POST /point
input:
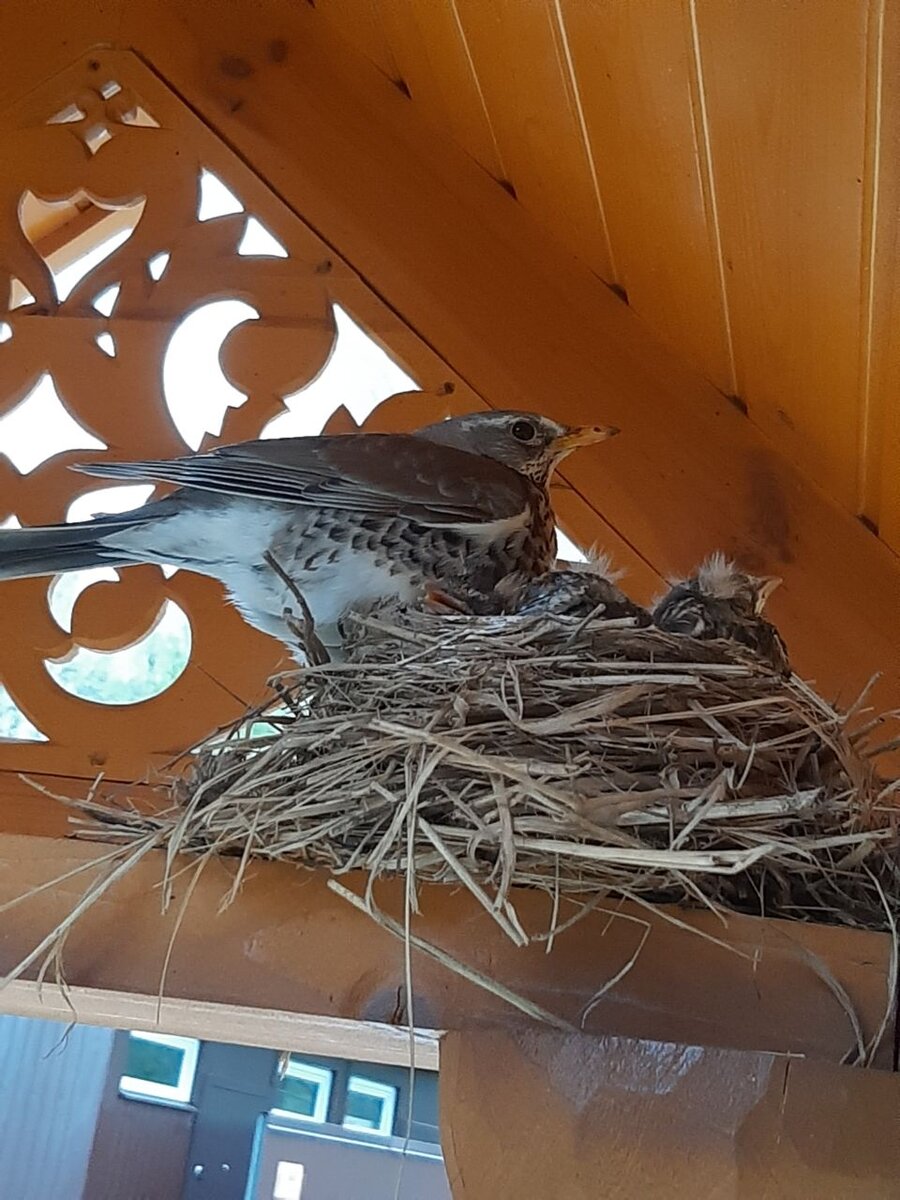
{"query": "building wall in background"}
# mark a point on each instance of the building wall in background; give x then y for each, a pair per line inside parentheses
(337, 1168)
(140, 1150)
(65, 1132)
(52, 1078)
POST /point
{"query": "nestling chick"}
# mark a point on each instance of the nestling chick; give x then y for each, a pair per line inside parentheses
(577, 590)
(721, 601)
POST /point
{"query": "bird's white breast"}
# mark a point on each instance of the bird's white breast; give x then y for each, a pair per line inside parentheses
(230, 542)
(352, 580)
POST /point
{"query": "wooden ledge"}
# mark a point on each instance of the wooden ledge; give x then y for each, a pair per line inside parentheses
(275, 1029)
(289, 943)
(612, 1117)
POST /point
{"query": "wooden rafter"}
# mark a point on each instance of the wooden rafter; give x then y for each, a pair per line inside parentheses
(290, 943)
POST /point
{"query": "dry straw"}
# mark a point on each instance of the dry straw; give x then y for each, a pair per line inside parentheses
(586, 758)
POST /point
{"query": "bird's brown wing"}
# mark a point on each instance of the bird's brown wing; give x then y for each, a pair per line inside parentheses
(396, 474)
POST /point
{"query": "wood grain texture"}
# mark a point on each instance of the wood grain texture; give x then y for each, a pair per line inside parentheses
(746, 173)
(523, 68)
(360, 21)
(637, 76)
(289, 943)
(432, 52)
(879, 443)
(785, 94)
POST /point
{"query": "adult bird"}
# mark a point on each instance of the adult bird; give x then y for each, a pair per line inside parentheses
(350, 520)
(722, 601)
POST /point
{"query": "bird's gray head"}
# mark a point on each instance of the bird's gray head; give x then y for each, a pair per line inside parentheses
(721, 579)
(530, 444)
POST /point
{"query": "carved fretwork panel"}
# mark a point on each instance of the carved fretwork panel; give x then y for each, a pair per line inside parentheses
(157, 296)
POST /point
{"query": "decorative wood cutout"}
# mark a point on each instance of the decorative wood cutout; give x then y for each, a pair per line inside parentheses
(106, 245)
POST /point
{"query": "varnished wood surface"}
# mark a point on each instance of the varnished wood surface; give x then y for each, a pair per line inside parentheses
(731, 166)
(289, 943)
(460, 281)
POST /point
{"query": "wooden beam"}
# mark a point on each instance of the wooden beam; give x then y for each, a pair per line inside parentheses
(301, 1033)
(289, 943)
(622, 1120)
(27, 810)
(35, 803)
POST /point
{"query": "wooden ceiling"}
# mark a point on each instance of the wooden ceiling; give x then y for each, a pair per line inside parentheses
(730, 169)
(736, 181)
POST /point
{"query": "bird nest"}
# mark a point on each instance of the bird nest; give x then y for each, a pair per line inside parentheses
(586, 758)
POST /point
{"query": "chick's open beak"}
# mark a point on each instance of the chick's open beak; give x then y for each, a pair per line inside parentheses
(582, 435)
(765, 586)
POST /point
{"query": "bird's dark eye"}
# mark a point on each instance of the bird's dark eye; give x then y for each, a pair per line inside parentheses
(524, 431)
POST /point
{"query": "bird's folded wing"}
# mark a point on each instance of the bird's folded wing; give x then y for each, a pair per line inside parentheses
(395, 474)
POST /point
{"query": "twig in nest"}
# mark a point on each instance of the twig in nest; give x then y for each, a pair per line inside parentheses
(305, 633)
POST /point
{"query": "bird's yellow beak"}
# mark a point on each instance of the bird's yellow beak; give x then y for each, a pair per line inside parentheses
(581, 435)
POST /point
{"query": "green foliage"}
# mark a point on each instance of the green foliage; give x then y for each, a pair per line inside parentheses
(127, 676)
(13, 722)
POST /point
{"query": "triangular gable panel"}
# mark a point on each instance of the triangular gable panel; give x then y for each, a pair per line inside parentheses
(253, 326)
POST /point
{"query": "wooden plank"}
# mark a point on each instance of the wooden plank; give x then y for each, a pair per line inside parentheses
(34, 802)
(636, 75)
(784, 89)
(884, 452)
(879, 447)
(433, 57)
(302, 1033)
(359, 21)
(524, 75)
(757, 1124)
(289, 943)
(35, 59)
(25, 809)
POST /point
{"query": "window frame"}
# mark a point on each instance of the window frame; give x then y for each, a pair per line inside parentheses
(385, 1092)
(323, 1078)
(132, 1087)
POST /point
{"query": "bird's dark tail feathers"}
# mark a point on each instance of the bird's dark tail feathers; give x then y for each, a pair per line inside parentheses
(51, 549)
